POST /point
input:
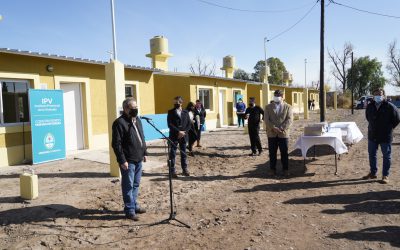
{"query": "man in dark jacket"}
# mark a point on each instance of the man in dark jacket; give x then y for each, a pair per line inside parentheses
(201, 113)
(382, 117)
(254, 114)
(130, 149)
(179, 124)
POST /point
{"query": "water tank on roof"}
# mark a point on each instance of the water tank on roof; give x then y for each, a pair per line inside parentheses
(229, 62)
(159, 45)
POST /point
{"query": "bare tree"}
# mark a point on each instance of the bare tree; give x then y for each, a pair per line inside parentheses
(394, 66)
(202, 68)
(341, 62)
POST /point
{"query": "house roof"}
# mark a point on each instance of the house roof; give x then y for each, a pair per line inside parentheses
(68, 58)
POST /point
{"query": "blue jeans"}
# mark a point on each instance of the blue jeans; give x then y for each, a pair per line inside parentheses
(172, 154)
(130, 186)
(386, 149)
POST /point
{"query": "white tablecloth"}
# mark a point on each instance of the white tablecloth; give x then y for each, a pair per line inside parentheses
(350, 131)
(333, 138)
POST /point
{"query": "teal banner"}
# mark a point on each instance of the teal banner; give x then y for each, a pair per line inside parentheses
(47, 125)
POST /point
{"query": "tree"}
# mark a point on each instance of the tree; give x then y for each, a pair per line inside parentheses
(202, 68)
(365, 76)
(276, 68)
(341, 61)
(394, 66)
(241, 74)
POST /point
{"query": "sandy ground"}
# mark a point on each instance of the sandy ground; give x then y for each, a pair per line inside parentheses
(230, 202)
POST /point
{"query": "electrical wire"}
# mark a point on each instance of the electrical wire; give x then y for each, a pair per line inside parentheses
(291, 27)
(252, 10)
(364, 11)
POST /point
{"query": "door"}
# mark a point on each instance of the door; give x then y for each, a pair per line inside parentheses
(73, 116)
(221, 107)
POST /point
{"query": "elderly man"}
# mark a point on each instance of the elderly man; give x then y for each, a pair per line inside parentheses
(382, 117)
(130, 149)
(278, 119)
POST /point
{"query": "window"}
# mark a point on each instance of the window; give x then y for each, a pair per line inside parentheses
(236, 95)
(205, 96)
(14, 102)
(130, 91)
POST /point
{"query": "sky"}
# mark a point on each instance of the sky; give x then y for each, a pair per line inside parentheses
(82, 28)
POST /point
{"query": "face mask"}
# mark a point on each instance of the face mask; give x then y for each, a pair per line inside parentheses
(176, 105)
(133, 112)
(277, 98)
(378, 98)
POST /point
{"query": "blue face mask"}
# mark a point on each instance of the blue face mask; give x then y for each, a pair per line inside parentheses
(378, 98)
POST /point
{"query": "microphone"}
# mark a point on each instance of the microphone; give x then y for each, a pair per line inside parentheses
(146, 118)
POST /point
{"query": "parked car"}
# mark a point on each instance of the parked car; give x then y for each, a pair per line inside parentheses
(363, 101)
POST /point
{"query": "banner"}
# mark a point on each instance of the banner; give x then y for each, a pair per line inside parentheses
(47, 125)
(160, 121)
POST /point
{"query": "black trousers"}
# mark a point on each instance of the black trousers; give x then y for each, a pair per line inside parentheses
(255, 142)
(172, 153)
(240, 119)
(273, 144)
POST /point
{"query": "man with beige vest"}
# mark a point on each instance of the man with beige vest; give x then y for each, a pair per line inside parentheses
(278, 119)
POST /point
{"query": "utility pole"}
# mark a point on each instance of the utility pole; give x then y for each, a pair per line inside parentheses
(352, 85)
(321, 70)
(305, 73)
(265, 59)
(113, 31)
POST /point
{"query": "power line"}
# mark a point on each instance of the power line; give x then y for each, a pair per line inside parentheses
(291, 27)
(252, 10)
(365, 11)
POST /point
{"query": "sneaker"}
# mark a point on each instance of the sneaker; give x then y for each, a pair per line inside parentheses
(369, 176)
(140, 210)
(186, 173)
(133, 217)
(385, 180)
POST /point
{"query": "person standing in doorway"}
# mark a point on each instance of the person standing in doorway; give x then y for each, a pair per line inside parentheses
(278, 119)
(382, 117)
(130, 149)
(201, 113)
(240, 111)
(254, 114)
(179, 124)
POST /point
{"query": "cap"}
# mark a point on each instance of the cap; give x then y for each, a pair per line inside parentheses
(278, 92)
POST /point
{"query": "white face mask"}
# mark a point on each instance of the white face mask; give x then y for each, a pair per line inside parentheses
(277, 98)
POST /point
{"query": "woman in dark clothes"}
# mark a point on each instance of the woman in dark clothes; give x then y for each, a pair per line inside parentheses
(192, 132)
(200, 118)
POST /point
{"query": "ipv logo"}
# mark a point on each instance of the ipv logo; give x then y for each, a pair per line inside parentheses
(49, 141)
(47, 100)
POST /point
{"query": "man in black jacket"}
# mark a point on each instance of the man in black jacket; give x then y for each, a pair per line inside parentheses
(254, 114)
(179, 124)
(130, 149)
(382, 117)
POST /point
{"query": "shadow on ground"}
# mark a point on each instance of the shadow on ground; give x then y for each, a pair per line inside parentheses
(388, 234)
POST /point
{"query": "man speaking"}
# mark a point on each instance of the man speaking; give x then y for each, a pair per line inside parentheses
(130, 149)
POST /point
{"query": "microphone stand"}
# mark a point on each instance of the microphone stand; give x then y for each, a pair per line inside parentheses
(173, 212)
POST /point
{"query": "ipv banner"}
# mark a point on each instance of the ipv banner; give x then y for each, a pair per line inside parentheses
(160, 121)
(47, 125)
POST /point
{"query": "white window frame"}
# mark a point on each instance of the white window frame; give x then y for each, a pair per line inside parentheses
(211, 96)
(2, 124)
(135, 85)
(234, 99)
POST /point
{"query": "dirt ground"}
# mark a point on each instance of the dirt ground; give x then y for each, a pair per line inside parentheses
(230, 202)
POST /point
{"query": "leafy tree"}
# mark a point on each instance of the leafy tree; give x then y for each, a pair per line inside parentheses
(365, 76)
(276, 67)
(241, 74)
(394, 66)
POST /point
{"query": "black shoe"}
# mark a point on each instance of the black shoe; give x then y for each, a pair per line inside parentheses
(272, 172)
(140, 210)
(174, 175)
(286, 173)
(252, 154)
(133, 217)
(191, 154)
(186, 173)
(260, 152)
